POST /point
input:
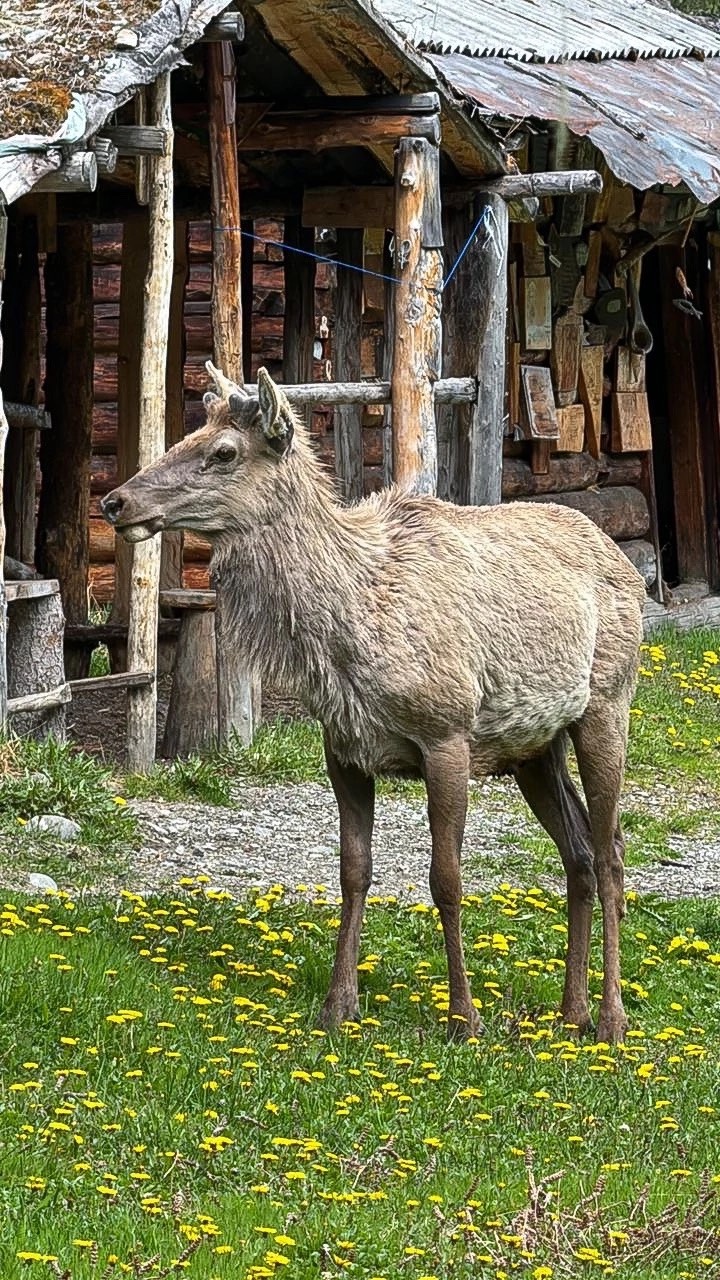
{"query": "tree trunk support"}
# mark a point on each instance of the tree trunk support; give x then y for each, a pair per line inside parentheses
(145, 579)
(347, 364)
(299, 318)
(238, 694)
(417, 307)
(490, 290)
(21, 382)
(63, 550)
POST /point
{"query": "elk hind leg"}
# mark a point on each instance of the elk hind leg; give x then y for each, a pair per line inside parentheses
(600, 741)
(549, 791)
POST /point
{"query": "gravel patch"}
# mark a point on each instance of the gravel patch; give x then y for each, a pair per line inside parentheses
(289, 835)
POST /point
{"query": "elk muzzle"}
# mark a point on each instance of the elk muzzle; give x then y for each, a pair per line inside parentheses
(121, 510)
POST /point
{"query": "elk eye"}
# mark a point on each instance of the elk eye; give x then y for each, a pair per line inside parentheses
(225, 453)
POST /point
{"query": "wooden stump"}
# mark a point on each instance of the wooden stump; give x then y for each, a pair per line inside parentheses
(192, 722)
(35, 654)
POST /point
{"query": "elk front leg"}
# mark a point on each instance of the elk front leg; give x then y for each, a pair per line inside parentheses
(355, 795)
(447, 771)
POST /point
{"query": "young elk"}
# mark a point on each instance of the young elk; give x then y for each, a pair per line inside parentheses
(430, 640)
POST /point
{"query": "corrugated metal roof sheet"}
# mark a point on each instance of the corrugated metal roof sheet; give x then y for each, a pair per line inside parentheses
(549, 30)
(654, 121)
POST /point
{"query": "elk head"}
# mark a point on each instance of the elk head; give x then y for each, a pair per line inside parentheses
(219, 479)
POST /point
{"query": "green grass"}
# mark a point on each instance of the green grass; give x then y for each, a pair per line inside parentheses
(675, 728)
(52, 777)
(165, 1096)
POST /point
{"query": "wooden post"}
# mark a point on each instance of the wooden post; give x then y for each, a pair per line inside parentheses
(247, 271)
(237, 696)
(132, 287)
(347, 364)
(145, 578)
(418, 335)
(687, 406)
(490, 290)
(171, 565)
(63, 550)
(299, 318)
(712, 305)
(21, 382)
(462, 300)
(3, 438)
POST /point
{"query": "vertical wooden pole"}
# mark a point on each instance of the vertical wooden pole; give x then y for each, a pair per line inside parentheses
(171, 565)
(3, 438)
(462, 303)
(299, 318)
(238, 694)
(418, 299)
(490, 272)
(388, 352)
(63, 550)
(347, 362)
(21, 382)
(687, 407)
(712, 471)
(247, 265)
(145, 578)
(135, 249)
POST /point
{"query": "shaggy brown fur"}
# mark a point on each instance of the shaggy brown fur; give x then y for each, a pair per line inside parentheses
(429, 639)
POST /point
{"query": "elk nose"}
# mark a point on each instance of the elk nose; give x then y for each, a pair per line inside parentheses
(112, 505)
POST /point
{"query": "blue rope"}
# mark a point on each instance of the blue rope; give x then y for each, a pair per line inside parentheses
(483, 220)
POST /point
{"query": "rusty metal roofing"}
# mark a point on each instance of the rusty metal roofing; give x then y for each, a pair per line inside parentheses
(654, 121)
(549, 30)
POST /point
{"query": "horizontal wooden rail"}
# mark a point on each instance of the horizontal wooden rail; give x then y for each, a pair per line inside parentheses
(28, 417)
(40, 701)
(447, 391)
(31, 589)
(119, 680)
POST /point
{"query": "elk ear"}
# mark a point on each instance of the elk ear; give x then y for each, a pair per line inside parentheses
(276, 416)
(210, 398)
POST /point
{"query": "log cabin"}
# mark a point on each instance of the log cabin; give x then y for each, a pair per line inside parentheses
(275, 183)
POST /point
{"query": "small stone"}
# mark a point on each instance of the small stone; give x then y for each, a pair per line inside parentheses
(56, 825)
(39, 881)
(127, 39)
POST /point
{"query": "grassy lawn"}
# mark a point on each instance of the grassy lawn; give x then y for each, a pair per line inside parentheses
(167, 1106)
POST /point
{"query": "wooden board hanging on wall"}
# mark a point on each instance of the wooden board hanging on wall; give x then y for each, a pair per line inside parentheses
(533, 250)
(536, 313)
(629, 370)
(513, 383)
(571, 427)
(565, 357)
(630, 430)
(590, 385)
(538, 413)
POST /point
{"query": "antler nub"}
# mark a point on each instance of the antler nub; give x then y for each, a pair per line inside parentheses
(224, 386)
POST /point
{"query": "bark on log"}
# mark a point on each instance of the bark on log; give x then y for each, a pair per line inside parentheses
(577, 471)
(324, 130)
(78, 173)
(172, 543)
(462, 298)
(191, 724)
(417, 351)
(35, 661)
(145, 580)
(126, 388)
(299, 317)
(621, 513)
(137, 140)
(21, 382)
(235, 686)
(27, 417)
(641, 553)
(347, 419)
(486, 440)
(554, 183)
(66, 451)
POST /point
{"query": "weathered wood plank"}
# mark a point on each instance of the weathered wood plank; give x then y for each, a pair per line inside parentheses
(299, 270)
(32, 589)
(47, 700)
(171, 563)
(65, 452)
(578, 471)
(22, 382)
(590, 384)
(119, 680)
(324, 130)
(187, 599)
(417, 350)
(132, 287)
(3, 438)
(347, 420)
(143, 620)
(486, 437)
